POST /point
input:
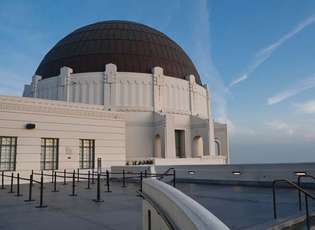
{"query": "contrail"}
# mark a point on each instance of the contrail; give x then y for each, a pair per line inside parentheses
(306, 84)
(262, 55)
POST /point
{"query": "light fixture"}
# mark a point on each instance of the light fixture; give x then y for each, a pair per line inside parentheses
(191, 172)
(30, 126)
(300, 173)
(236, 173)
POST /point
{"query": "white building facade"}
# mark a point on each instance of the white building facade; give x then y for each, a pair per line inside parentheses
(118, 115)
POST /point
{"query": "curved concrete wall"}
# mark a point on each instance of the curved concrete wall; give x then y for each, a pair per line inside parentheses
(178, 209)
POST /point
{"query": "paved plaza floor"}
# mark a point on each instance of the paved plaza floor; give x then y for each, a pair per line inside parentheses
(244, 207)
(239, 207)
(121, 209)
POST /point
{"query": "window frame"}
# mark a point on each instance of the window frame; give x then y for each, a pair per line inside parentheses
(91, 154)
(10, 168)
(55, 154)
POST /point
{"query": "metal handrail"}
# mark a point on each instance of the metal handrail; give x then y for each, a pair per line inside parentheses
(165, 173)
(306, 195)
(299, 184)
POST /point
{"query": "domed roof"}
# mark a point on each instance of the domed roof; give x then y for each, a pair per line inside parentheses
(131, 46)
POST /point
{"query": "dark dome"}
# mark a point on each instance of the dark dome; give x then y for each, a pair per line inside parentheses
(133, 47)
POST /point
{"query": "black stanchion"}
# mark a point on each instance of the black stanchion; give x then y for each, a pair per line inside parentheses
(30, 189)
(41, 193)
(93, 182)
(52, 176)
(145, 173)
(32, 173)
(141, 179)
(11, 185)
(2, 180)
(78, 175)
(107, 181)
(55, 183)
(124, 179)
(73, 185)
(88, 180)
(64, 177)
(174, 178)
(18, 185)
(98, 189)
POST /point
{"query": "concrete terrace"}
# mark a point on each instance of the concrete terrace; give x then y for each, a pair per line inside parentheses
(239, 207)
(121, 209)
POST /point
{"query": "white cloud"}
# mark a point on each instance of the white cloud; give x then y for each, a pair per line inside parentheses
(303, 85)
(281, 126)
(306, 107)
(235, 129)
(265, 53)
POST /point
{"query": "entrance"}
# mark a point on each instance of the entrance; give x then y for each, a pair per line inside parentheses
(180, 143)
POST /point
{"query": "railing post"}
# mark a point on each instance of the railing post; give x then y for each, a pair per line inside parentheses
(274, 199)
(307, 213)
(174, 178)
(89, 177)
(124, 179)
(78, 175)
(299, 193)
(64, 177)
(52, 176)
(18, 185)
(98, 189)
(145, 173)
(55, 182)
(2, 180)
(73, 185)
(41, 193)
(11, 185)
(30, 189)
(107, 181)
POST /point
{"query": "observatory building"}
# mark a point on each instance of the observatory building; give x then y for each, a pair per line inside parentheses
(111, 93)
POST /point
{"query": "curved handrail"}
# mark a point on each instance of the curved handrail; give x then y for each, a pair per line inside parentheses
(306, 195)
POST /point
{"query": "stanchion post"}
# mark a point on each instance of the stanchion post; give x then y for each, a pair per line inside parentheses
(145, 173)
(11, 185)
(55, 182)
(141, 179)
(2, 180)
(52, 176)
(41, 193)
(64, 177)
(93, 177)
(88, 180)
(73, 185)
(98, 189)
(124, 179)
(30, 189)
(107, 181)
(18, 185)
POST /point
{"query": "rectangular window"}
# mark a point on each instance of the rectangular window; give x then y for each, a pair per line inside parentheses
(7, 153)
(49, 153)
(87, 154)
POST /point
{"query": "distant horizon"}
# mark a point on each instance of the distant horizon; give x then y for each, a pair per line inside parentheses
(257, 58)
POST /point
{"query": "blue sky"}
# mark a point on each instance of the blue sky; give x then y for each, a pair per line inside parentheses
(257, 57)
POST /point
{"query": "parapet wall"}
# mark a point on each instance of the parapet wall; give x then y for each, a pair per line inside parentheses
(165, 207)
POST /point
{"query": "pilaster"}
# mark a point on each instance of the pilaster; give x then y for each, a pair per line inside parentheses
(110, 76)
(64, 83)
(34, 85)
(158, 88)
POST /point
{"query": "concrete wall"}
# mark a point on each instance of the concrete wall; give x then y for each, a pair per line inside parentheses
(249, 173)
(67, 121)
(169, 206)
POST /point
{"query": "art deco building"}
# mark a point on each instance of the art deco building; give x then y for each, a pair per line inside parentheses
(116, 91)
